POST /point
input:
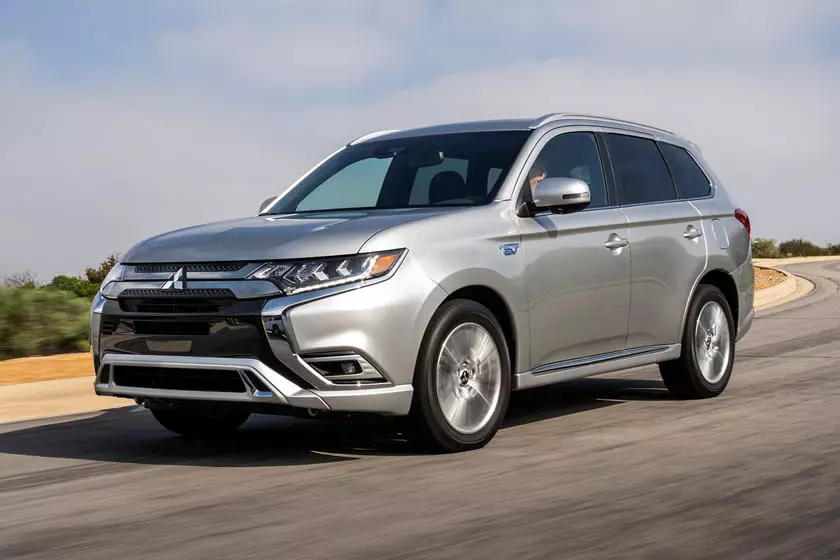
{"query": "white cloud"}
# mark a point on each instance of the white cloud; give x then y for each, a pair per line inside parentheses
(90, 167)
(281, 58)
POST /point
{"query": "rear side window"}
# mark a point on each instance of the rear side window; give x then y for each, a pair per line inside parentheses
(690, 179)
(640, 172)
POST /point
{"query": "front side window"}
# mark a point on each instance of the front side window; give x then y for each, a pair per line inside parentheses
(640, 172)
(572, 155)
(690, 179)
(437, 170)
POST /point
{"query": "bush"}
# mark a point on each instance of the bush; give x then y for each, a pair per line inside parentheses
(41, 322)
(98, 274)
(832, 249)
(75, 285)
(764, 248)
(799, 248)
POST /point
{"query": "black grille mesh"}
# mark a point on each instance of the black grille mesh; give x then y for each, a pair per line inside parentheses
(188, 293)
(195, 267)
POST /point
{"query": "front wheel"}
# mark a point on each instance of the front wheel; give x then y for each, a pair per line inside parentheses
(200, 422)
(462, 379)
(708, 348)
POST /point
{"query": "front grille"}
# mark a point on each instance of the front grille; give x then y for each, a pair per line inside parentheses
(194, 267)
(200, 328)
(174, 305)
(179, 379)
(188, 293)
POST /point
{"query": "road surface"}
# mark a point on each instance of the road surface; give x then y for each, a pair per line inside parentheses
(602, 468)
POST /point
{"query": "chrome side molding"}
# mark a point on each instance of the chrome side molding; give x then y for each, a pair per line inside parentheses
(569, 370)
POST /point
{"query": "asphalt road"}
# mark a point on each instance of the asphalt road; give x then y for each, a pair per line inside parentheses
(602, 468)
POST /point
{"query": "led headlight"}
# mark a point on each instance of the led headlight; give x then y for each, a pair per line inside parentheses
(114, 275)
(303, 276)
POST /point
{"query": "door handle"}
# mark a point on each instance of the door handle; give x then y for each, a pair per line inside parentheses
(616, 242)
(692, 233)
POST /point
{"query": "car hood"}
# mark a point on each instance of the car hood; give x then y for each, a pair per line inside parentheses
(259, 238)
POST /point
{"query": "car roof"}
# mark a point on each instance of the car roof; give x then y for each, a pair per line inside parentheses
(515, 124)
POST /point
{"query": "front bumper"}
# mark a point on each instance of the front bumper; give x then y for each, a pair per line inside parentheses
(277, 346)
(395, 399)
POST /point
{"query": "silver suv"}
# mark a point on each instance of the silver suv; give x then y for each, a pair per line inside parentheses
(427, 273)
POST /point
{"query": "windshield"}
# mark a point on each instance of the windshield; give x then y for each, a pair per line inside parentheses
(463, 169)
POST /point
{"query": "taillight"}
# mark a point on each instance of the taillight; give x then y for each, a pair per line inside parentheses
(742, 217)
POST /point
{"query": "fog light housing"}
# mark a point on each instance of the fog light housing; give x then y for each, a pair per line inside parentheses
(346, 369)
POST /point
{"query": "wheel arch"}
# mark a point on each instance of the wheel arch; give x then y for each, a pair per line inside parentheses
(723, 281)
(493, 300)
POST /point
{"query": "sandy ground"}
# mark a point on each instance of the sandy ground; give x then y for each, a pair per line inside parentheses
(45, 368)
(767, 277)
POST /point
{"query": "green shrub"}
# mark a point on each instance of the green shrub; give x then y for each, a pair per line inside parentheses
(75, 285)
(41, 322)
(832, 249)
(799, 248)
(98, 274)
(764, 248)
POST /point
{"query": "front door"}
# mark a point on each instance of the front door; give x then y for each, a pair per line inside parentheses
(578, 269)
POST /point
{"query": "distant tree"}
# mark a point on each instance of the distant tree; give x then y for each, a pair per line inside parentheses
(799, 248)
(832, 249)
(75, 285)
(98, 274)
(764, 248)
(25, 279)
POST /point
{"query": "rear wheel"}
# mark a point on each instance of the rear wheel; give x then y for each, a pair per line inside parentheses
(201, 422)
(708, 348)
(462, 379)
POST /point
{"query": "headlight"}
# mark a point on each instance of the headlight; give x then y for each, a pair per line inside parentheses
(304, 276)
(114, 275)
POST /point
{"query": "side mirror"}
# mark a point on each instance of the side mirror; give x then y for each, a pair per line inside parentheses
(561, 194)
(265, 204)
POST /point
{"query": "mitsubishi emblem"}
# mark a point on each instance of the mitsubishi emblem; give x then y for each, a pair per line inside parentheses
(178, 281)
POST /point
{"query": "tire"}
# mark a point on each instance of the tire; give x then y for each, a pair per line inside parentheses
(705, 365)
(461, 380)
(201, 422)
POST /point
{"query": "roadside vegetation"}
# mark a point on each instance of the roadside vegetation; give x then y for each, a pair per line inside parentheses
(763, 248)
(44, 319)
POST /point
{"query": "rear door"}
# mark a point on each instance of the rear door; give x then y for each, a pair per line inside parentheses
(666, 239)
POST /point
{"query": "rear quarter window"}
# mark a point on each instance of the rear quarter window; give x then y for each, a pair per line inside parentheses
(690, 179)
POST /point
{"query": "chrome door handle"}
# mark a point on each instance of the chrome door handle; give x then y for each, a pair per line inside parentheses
(692, 233)
(616, 242)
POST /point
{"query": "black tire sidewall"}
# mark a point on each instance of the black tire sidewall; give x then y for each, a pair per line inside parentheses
(706, 294)
(426, 406)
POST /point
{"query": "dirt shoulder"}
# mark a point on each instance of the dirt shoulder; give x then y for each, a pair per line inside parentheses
(45, 368)
(767, 278)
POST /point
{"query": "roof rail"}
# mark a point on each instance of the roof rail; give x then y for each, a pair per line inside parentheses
(370, 136)
(551, 117)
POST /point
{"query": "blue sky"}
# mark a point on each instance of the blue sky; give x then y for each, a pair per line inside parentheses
(124, 119)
